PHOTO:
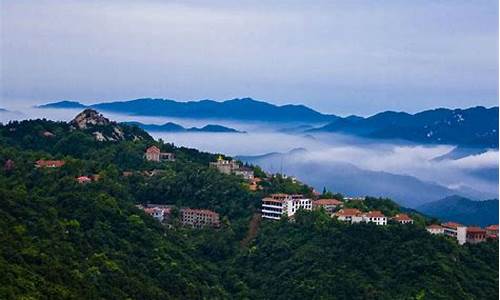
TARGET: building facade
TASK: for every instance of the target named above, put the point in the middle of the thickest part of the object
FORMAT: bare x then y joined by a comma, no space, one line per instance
402,219
278,205
376,217
475,235
456,231
232,167
435,229
199,218
329,205
349,215
492,231
154,154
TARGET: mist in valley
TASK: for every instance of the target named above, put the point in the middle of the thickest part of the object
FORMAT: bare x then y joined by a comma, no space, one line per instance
409,173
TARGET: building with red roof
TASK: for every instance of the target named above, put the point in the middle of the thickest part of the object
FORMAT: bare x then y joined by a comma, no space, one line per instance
402,219
435,229
492,231
376,217
49,163
154,153
456,231
349,215
475,235
275,206
83,179
329,205
160,212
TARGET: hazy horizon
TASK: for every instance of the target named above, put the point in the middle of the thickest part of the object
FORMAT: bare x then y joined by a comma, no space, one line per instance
336,57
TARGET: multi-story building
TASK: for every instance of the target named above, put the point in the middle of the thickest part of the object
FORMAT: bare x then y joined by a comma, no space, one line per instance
232,167
402,219
475,235
376,217
492,231
154,153
329,205
456,231
244,172
160,212
349,215
199,218
354,215
278,205
435,229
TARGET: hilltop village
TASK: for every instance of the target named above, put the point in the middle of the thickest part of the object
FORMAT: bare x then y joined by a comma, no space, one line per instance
279,205
92,209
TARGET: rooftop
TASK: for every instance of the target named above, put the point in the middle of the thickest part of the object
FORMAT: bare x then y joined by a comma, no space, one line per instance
327,202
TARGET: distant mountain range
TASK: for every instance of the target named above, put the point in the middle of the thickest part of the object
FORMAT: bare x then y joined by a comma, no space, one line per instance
246,109
463,210
351,180
475,127
173,127
472,127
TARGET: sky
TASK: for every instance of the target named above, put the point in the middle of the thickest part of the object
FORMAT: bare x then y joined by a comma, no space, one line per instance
341,57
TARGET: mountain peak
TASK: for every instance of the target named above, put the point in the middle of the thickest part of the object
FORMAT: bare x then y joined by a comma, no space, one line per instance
89,118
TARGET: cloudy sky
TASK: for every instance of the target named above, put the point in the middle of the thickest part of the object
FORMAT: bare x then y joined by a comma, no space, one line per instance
343,57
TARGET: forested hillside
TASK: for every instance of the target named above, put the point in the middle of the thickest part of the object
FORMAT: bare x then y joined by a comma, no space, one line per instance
63,240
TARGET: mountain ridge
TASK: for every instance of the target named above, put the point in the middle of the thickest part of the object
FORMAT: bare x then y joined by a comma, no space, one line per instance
463,210
174,127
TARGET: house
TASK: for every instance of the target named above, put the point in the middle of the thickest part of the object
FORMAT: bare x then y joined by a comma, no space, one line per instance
435,229
154,153
127,173
232,167
349,215
49,163
376,217
254,184
456,231
244,172
329,205
492,231
225,166
199,218
475,235
278,205
160,212
402,219
83,179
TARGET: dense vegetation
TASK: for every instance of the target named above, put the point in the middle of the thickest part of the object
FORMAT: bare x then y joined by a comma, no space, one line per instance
63,240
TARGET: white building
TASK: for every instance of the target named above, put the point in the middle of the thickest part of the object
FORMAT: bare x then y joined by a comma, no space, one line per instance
160,212
402,219
278,205
376,217
455,230
349,215
435,229
353,216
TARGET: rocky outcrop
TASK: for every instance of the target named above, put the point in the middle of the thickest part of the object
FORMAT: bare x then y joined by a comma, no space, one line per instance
89,118
103,129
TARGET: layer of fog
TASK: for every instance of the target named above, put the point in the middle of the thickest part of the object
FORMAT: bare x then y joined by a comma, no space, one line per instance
475,172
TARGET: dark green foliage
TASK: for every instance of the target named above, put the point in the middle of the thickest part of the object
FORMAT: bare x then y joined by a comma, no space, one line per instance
63,240
319,258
